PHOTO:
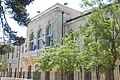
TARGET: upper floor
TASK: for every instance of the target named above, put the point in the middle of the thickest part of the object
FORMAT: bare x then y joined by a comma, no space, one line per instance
47,27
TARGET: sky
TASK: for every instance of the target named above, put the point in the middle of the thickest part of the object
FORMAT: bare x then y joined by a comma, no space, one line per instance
41,5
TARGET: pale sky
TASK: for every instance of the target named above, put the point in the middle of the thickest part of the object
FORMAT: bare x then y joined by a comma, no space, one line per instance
41,5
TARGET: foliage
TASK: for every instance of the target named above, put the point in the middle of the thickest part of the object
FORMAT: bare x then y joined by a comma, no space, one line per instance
17,8
5,49
101,36
61,57
2,62
100,46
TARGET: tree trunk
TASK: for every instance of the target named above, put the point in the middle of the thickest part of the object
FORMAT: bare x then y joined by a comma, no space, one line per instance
109,74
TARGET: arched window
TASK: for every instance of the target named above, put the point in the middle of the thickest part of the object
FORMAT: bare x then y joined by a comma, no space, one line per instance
40,39
31,41
32,36
49,36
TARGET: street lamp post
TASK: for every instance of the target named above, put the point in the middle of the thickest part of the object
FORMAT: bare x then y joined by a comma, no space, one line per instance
63,22
62,35
62,25
19,42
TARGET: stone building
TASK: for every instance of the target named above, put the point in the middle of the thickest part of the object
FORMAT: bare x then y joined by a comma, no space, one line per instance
43,30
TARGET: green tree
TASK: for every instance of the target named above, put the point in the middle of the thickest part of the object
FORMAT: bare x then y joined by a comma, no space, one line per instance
63,57
100,46
17,9
101,37
2,62
3,50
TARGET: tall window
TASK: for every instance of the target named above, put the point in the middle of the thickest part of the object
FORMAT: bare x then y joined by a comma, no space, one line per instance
12,54
49,36
8,55
31,41
40,39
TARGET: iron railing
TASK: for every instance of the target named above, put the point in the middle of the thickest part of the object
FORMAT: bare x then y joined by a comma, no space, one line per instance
76,75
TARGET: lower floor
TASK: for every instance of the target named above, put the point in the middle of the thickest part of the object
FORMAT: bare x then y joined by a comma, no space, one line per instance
59,75
28,69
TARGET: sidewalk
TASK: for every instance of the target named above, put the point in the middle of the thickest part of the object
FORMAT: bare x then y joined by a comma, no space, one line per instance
7,78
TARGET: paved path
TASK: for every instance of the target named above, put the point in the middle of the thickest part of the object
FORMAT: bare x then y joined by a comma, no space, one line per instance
6,78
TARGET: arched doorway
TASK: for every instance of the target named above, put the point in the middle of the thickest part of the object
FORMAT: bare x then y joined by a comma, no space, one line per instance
29,72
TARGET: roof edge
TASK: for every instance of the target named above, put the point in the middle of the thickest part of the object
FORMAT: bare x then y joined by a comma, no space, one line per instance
78,17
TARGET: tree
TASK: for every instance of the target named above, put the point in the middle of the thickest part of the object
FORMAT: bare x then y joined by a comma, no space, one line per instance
17,9
60,57
100,46
3,63
101,37
3,50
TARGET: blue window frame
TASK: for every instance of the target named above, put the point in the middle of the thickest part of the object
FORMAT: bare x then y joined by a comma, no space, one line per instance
31,41
32,36
49,36
40,40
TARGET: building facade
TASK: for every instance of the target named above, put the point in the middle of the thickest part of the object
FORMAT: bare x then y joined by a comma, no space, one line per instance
44,30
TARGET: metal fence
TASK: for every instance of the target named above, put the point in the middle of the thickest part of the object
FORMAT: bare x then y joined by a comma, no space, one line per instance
28,75
57,75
